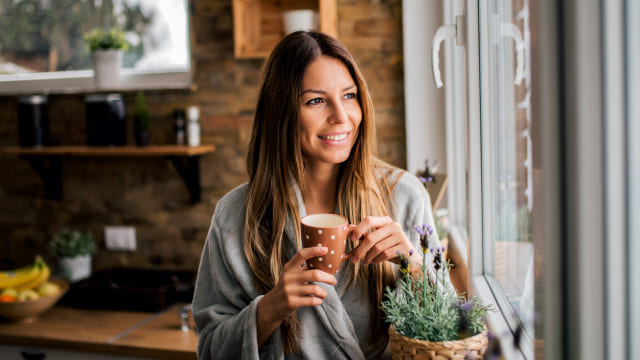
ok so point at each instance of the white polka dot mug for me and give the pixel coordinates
(329, 230)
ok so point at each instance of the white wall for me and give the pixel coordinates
(424, 104)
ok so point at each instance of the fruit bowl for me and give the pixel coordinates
(26, 310)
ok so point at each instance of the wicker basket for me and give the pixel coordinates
(403, 347)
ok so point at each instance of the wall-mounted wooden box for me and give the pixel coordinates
(258, 24)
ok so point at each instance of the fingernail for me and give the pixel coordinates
(353, 237)
(354, 259)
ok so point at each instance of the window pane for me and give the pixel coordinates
(633, 180)
(506, 151)
(47, 35)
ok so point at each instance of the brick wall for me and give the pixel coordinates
(147, 193)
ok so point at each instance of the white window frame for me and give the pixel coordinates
(484, 287)
(80, 81)
(456, 133)
(632, 67)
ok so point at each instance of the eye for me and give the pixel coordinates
(350, 96)
(314, 101)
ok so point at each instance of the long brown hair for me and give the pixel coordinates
(275, 166)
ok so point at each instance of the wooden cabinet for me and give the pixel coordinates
(258, 25)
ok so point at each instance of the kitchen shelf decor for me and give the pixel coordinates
(258, 24)
(47, 161)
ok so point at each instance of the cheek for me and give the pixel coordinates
(356, 116)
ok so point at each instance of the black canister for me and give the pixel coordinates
(33, 121)
(105, 116)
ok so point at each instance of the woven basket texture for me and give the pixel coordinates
(403, 348)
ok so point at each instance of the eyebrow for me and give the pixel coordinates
(324, 92)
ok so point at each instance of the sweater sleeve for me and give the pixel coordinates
(225, 300)
(412, 207)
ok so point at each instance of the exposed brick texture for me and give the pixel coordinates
(147, 192)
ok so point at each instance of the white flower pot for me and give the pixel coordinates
(75, 268)
(295, 20)
(106, 67)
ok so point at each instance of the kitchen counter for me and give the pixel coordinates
(123, 333)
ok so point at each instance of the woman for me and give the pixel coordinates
(310, 152)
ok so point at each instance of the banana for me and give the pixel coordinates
(24, 275)
(9, 274)
(43, 276)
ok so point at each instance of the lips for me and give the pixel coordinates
(336, 137)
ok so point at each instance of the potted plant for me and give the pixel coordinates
(106, 55)
(141, 120)
(74, 249)
(428, 320)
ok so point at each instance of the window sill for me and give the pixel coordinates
(479, 286)
(81, 81)
(497, 323)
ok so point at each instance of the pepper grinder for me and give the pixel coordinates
(184, 317)
(193, 128)
(179, 125)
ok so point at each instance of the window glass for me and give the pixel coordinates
(507, 186)
(41, 40)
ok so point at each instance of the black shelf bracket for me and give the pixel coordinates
(50, 171)
(189, 170)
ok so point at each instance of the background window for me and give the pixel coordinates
(43, 39)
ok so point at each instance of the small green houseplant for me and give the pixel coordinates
(426, 317)
(74, 249)
(106, 55)
(141, 120)
(98, 39)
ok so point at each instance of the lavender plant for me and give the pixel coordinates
(421, 307)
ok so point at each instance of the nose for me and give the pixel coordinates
(338, 114)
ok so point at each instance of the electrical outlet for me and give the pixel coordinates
(118, 238)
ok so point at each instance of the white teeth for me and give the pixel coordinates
(334, 137)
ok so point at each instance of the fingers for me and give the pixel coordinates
(310, 276)
(382, 244)
(368, 223)
(304, 254)
(307, 290)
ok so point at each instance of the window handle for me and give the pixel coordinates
(445, 32)
(512, 31)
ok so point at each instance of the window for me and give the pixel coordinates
(633, 174)
(506, 148)
(43, 49)
(557, 115)
(489, 152)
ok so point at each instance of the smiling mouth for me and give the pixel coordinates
(334, 137)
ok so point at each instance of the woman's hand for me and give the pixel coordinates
(381, 239)
(295, 289)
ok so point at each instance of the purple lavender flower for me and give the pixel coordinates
(437, 257)
(424, 231)
(493, 349)
(404, 262)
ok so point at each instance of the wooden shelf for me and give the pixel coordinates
(148, 151)
(258, 24)
(46, 161)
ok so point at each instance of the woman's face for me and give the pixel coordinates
(330, 113)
